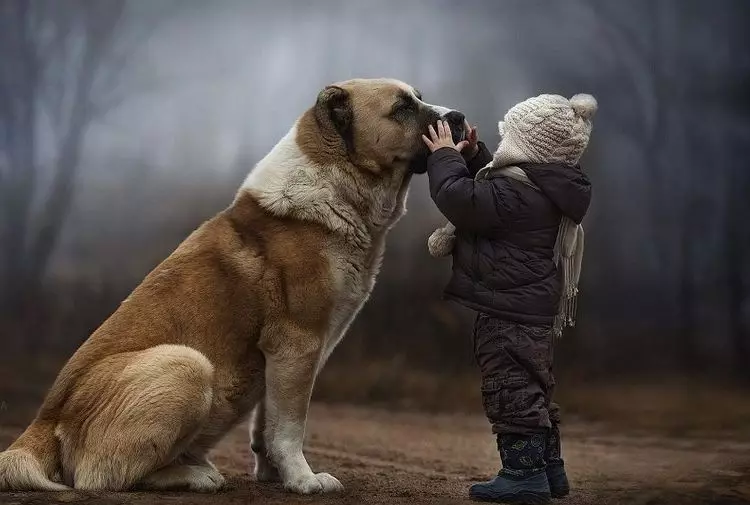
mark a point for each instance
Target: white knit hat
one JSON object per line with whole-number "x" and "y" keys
{"x": 546, "y": 129}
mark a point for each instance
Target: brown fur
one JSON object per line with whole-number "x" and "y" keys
{"x": 243, "y": 263}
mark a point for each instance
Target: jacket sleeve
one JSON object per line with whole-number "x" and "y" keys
{"x": 480, "y": 159}
{"x": 472, "y": 206}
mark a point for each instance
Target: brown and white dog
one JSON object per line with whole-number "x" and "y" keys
{"x": 242, "y": 316}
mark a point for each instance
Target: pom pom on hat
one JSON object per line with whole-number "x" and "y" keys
{"x": 584, "y": 105}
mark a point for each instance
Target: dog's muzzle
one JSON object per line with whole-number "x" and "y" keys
{"x": 456, "y": 121}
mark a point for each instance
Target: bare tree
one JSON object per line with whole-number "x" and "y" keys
{"x": 737, "y": 250}
{"x": 651, "y": 64}
{"x": 62, "y": 70}
{"x": 736, "y": 246}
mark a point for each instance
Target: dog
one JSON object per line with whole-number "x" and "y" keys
{"x": 242, "y": 316}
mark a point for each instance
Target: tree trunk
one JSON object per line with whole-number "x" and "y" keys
{"x": 58, "y": 202}
{"x": 19, "y": 117}
{"x": 736, "y": 248}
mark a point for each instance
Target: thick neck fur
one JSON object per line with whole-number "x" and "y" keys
{"x": 359, "y": 206}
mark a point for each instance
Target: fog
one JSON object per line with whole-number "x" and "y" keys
{"x": 185, "y": 97}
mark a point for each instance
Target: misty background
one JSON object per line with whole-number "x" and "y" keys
{"x": 125, "y": 124}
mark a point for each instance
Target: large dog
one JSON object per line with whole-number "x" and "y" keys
{"x": 242, "y": 316}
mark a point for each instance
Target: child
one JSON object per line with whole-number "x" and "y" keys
{"x": 516, "y": 252}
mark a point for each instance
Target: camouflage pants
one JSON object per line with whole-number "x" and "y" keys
{"x": 517, "y": 382}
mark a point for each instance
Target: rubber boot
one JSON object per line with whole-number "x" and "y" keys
{"x": 523, "y": 478}
{"x": 556, "y": 476}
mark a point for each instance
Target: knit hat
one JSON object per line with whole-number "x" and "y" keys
{"x": 546, "y": 129}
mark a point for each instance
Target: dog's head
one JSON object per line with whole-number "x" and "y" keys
{"x": 380, "y": 122}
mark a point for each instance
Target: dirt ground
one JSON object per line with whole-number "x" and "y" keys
{"x": 383, "y": 457}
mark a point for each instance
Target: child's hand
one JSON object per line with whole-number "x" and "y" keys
{"x": 472, "y": 148}
{"x": 442, "y": 138}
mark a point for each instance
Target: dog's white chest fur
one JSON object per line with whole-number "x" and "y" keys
{"x": 286, "y": 182}
{"x": 352, "y": 283}
{"x": 353, "y": 272}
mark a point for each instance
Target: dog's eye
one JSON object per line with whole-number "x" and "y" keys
{"x": 405, "y": 106}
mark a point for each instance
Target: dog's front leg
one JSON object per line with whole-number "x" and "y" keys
{"x": 264, "y": 469}
{"x": 291, "y": 364}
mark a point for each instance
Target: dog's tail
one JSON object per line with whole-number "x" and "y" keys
{"x": 32, "y": 460}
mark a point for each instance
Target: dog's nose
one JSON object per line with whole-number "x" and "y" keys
{"x": 455, "y": 118}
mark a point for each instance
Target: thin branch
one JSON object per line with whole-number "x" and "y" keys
{"x": 618, "y": 28}
{"x": 121, "y": 57}
{"x": 637, "y": 60}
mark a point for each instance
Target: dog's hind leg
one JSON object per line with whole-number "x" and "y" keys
{"x": 160, "y": 400}
{"x": 186, "y": 473}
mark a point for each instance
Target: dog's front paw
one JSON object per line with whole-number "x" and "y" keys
{"x": 329, "y": 483}
{"x": 314, "y": 483}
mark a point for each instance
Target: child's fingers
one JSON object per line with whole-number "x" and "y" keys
{"x": 433, "y": 134}
{"x": 440, "y": 130}
{"x": 447, "y": 130}
{"x": 462, "y": 145}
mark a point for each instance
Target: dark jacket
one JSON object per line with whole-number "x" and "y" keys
{"x": 505, "y": 233}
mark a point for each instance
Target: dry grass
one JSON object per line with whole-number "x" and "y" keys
{"x": 393, "y": 384}
{"x": 678, "y": 407}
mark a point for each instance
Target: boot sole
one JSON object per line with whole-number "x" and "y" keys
{"x": 522, "y": 498}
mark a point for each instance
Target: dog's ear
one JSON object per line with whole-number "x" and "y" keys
{"x": 334, "y": 109}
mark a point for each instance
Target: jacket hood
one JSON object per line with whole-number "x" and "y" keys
{"x": 566, "y": 185}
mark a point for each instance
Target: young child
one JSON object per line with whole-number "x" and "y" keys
{"x": 517, "y": 245}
